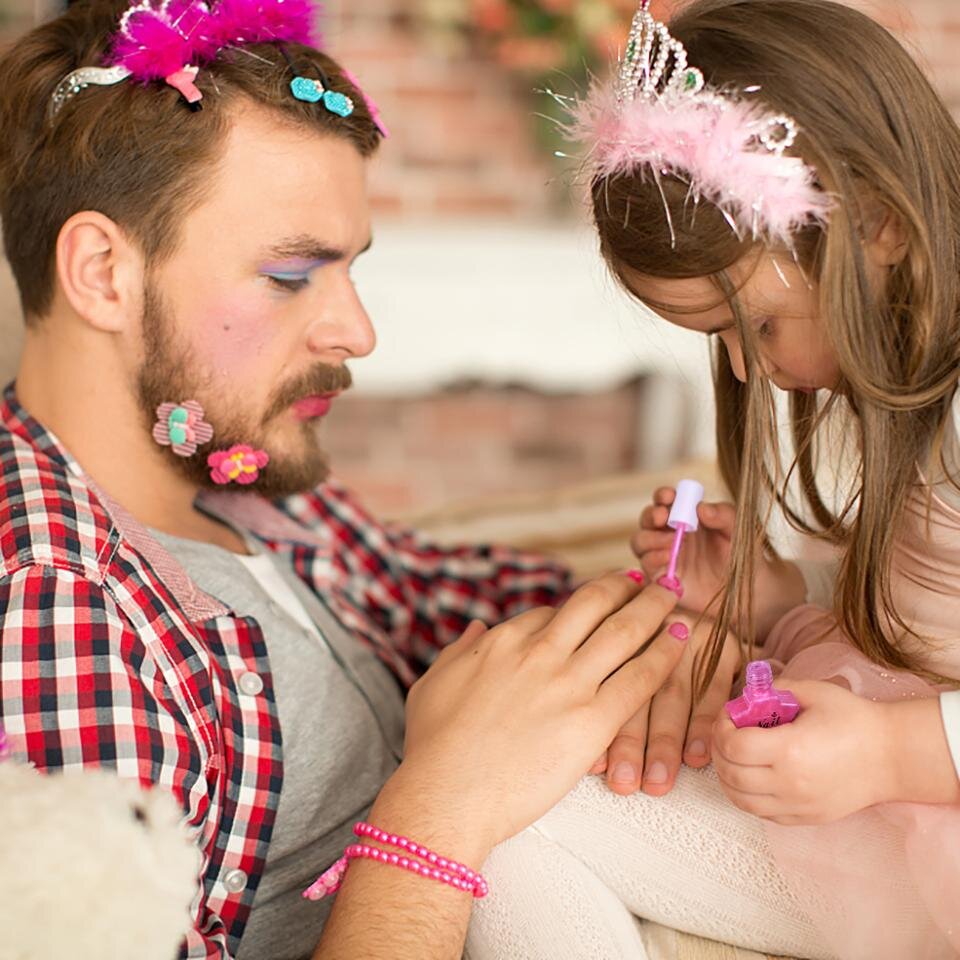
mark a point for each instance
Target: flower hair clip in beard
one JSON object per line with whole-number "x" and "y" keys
{"x": 659, "y": 117}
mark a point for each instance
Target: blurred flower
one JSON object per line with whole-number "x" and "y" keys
{"x": 555, "y": 44}
{"x": 493, "y": 16}
{"x": 558, "y": 6}
{"x": 606, "y": 44}
{"x": 532, "y": 54}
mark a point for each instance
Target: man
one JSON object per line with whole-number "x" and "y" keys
{"x": 185, "y": 278}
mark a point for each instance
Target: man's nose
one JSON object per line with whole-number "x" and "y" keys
{"x": 345, "y": 330}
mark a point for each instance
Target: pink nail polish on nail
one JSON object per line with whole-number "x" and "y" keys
{"x": 761, "y": 705}
{"x": 680, "y": 631}
{"x": 672, "y": 584}
{"x": 636, "y": 576}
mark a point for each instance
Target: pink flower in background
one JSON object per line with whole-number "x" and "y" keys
{"x": 493, "y": 16}
{"x": 608, "y": 42}
{"x": 240, "y": 464}
{"x": 532, "y": 54}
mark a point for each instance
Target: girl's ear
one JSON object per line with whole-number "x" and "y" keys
{"x": 886, "y": 244}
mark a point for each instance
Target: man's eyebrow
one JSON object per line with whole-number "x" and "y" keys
{"x": 309, "y": 248}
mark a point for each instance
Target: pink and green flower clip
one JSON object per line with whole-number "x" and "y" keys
{"x": 181, "y": 427}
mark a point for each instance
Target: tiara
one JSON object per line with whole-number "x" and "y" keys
{"x": 659, "y": 117}
{"x": 171, "y": 40}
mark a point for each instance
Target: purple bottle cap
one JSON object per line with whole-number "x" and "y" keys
{"x": 689, "y": 496}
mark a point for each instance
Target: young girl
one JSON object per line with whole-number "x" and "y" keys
{"x": 778, "y": 175}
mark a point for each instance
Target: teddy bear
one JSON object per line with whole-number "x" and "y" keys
{"x": 92, "y": 867}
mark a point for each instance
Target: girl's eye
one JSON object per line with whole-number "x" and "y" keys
{"x": 289, "y": 283}
{"x": 765, "y": 328}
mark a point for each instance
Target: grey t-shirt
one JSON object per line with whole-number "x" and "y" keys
{"x": 341, "y": 720}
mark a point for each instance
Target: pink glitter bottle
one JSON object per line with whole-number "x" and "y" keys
{"x": 761, "y": 705}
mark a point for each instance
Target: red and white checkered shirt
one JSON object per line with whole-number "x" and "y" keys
{"x": 111, "y": 657}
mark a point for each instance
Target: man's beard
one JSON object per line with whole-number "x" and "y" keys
{"x": 166, "y": 376}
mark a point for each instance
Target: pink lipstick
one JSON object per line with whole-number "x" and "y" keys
{"x": 311, "y": 408}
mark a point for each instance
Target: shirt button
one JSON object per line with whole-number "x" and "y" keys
{"x": 235, "y": 881}
{"x": 251, "y": 684}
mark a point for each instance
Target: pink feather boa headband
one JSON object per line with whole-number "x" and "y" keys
{"x": 731, "y": 152}
{"x": 171, "y": 40}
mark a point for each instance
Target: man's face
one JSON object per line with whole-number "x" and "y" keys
{"x": 256, "y": 312}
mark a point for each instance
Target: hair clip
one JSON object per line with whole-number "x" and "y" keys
{"x": 240, "y": 464}
{"x": 181, "y": 427}
{"x": 168, "y": 40}
{"x": 80, "y": 79}
{"x": 313, "y": 91}
{"x": 372, "y": 107}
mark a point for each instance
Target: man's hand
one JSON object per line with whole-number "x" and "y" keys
{"x": 507, "y": 720}
{"x": 498, "y": 730}
{"x": 648, "y": 749}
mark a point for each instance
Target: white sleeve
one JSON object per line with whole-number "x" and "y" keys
{"x": 820, "y": 577}
{"x": 950, "y": 712}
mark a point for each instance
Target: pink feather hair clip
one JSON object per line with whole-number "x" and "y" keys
{"x": 171, "y": 40}
{"x": 659, "y": 119}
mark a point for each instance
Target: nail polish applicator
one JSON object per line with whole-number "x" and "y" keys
{"x": 683, "y": 518}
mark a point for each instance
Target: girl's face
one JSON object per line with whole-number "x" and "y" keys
{"x": 777, "y": 304}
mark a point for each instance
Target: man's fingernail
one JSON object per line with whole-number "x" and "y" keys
{"x": 680, "y": 631}
{"x": 697, "y": 749}
{"x": 656, "y": 773}
{"x": 636, "y": 576}
{"x": 624, "y": 773}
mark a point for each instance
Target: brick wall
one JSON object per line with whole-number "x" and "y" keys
{"x": 408, "y": 453}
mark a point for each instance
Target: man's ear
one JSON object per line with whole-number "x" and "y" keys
{"x": 886, "y": 245}
{"x": 100, "y": 271}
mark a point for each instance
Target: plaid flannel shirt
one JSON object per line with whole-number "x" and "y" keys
{"x": 111, "y": 657}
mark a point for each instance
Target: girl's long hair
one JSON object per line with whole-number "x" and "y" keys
{"x": 882, "y": 142}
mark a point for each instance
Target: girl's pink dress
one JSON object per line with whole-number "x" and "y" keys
{"x": 883, "y": 883}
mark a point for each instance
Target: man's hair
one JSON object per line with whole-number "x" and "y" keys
{"x": 133, "y": 152}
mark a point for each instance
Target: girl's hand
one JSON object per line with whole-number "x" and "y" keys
{"x": 705, "y": 560}
{"x": 704, "y": 556}
{"x": 833, "y": 760}
{"x": 671, "y": 726}
{"x": 507, "y": 720}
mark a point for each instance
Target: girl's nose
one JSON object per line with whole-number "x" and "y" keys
{"x": 735, "y": 352}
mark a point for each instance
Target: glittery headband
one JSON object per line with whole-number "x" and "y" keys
{"x": 171, "y": 40}
{"x": 660, "y": 118}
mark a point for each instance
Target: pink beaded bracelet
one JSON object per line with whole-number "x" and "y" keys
{"x": 431, "y": 865}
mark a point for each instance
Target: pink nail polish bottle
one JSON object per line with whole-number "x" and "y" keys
{"x": 761, "y": 705}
